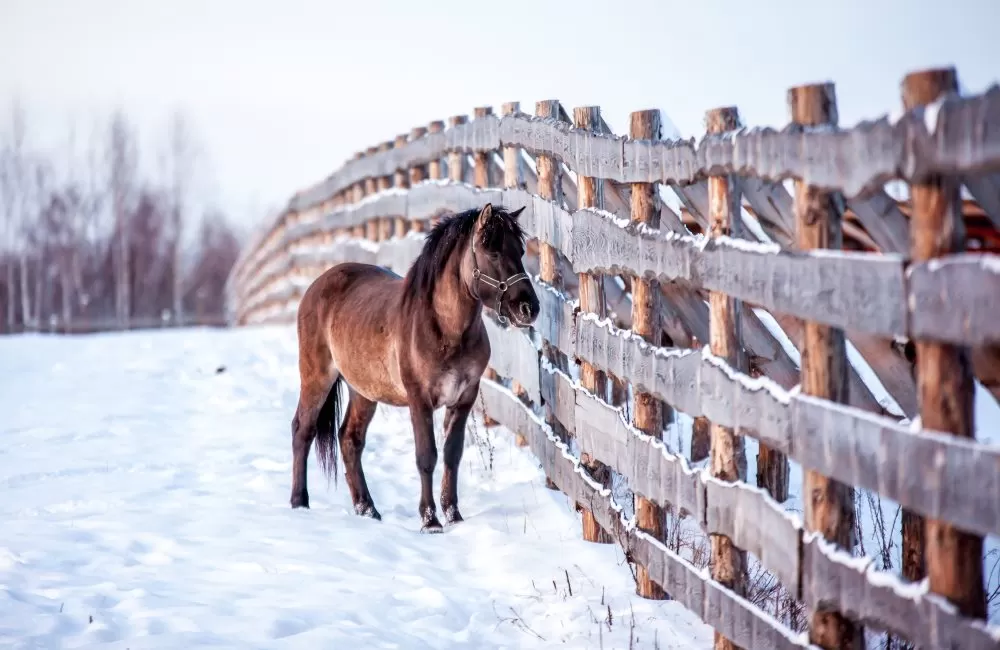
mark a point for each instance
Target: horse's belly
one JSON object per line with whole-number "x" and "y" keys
{"x": 372, "y": 376}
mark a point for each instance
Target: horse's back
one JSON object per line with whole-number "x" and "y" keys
{"x": 350, "y": 311}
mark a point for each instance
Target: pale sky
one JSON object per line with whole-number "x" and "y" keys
{"x": 281, "y": 93}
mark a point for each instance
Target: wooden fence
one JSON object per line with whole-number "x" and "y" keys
{"x": 707, "y": 291}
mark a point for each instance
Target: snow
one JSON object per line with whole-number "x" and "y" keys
{"x": 146, "y": 506}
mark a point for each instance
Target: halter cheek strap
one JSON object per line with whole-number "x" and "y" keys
{"x": 500, "y": 285}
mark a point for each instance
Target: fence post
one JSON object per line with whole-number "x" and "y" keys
{"x": 371, "y": 187}
{"x": 482, "y": 158}
{"x": 383, "y": 227}
{"x": 648, "y": 413}
{"x": 945, "y": 382}
{"x": 434, "y": 166}
{"x": 728, "y": 458}
{"x": 401, "y": 180}
{"x": 549, "y": 188}
{"x": 457, "y": 159}
{"x": 590, "y": 194}
{"x": 418, "y": 174}
{"x": 512, "y": 179}
{"x": 357, "y": 192}
{"x": 829, "y": 504}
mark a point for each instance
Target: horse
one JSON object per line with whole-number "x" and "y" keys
{"x": 417, "y": 341}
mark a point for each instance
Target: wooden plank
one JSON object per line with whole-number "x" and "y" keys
{"x": 954, "y": 299}
{"x": 854, "y": 160}
{"x": 773, "y": 206}
{"x": 852, "y": 585}
{"x": 717, "y": 606}
{"x": 884, "y": 221}
{"x": 985, "y": 189}
{"x": 558, "y": 390}
{"x": 960, "y": 480}
{"x": 513, "y": 355}
{"x": 841, "y": 289}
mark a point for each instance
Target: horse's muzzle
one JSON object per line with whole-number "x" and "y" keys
{"x": 527, "y": 312}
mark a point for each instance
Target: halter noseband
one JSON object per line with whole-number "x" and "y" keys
{"x": 500, "y": 285}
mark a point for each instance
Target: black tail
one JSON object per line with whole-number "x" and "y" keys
{"x": 327, "y": 425}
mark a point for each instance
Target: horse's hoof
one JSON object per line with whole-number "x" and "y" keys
{"x": 431, "y": 525}
{"x": 367, "y": 510}
{"x": 300, "y": 501}
{"x": 452, "y": 515}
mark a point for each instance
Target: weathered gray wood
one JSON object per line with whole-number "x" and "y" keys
{"x": 852, "y": 160}
{"x": 842, "y": 289}
{"x": 848, "y": 444}
{"x": 772, "y": 204}
{"x": 955, "y": 300}
{"x": 514, "y": 355}
{"x": 559, "y": 392}
{"x": 556, "y": 321}
{"x": 985, "y": 189}
{"x": 718, "y": 607}
{"x": 884, "y": 221}
{"x": 831, "y": 577}
{"x": 651, "y": 470}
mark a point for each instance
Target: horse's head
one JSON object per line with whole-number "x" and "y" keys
{"x": 494, "y": 269}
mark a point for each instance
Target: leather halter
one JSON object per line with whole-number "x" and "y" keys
{"x": 500, "y": 285}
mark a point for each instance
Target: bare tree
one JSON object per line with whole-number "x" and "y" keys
{"x": 122, "y": 155}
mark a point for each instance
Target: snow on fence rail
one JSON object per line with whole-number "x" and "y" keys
{"x": 608, "y": 221}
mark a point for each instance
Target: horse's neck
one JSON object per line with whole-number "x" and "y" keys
{"x": 455, "y": 310}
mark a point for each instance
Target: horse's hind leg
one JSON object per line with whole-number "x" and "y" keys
{"x": 316, "y": 408}
{"x": 353, "y": 434}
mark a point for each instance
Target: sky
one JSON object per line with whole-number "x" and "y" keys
{"x": 281, "y": 93}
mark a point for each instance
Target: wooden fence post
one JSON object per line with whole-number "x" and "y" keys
{"x": 418, "y": 174}
{"x": 401, "y": 179}
{"x": 457, "y": 159}
{"x": 357, "y": 192}
{"x": 728, "y": 458}
{"x": 384, "y": 224}
{"x": 481, "y": 159}
{"x": 549, "y": 188}
{"x": 828, "y": 504}
{"x": 371, "y": 187}
{"x": 434, "y": 166}
{"x": 648, "y": 412}
{"x": 590, "y": 194}
{"x": 512, "y": 179}
{"x": 945, "y": 382}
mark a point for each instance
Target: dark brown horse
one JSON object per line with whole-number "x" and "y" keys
{"x": 416, "y": 341}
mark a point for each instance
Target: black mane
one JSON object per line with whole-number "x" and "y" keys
{"x": 450, "y": 233}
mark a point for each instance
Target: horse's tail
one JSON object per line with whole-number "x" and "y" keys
{"x": 327, "y": 425}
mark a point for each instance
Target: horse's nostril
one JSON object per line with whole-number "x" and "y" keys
{"x": 525, "y": 310}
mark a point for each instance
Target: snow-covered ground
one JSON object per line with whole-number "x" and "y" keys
{"x": 145, "y": 505}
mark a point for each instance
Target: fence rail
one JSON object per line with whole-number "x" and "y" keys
{"x": 706, "y": 287}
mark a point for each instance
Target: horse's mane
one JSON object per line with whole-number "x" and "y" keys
{"x": 450, "y": 233}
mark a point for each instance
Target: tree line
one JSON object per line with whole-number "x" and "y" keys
{"x": 92, "y": 239}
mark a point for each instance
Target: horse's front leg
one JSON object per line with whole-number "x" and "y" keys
{"x": 454, "y": 444}
{"x": 421, "y": 415}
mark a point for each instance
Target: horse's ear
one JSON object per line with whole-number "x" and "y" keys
{"x": 485, "y": 214}
{"x": 517, "y": 213}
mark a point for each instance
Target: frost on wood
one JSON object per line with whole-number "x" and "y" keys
{"x": 955, "y": 299}
{"x": 556, "y": 321}
{"x": 831, "y": 577}
{"x": 960, "y": 479}
{"x": 853, "y": 160}
{"x": 714, "y": 604}
{"x": 513, "y": 355}
{"x": 857, "y": 290}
